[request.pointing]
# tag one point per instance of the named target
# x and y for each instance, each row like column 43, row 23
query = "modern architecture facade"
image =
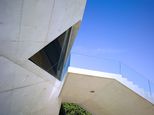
column 35, row 41
column 103, row 90
column 37, row 72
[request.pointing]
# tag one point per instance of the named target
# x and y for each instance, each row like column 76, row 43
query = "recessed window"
column 51, row 57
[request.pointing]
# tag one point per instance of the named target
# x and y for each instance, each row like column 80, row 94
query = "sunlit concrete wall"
column 103, row 93
column 26, row 26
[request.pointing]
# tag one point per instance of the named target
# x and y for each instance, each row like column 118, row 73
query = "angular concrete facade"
column 26, row 26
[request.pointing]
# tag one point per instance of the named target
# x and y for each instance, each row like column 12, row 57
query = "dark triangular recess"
column 51, row 57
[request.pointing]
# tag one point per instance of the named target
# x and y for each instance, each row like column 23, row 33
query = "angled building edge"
column 27, row 87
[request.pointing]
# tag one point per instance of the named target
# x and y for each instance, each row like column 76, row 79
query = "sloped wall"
column 26, row 26
column 24, row 93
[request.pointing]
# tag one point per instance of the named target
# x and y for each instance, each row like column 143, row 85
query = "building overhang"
column 100, row 93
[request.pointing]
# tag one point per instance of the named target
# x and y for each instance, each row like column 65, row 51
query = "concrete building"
column 91, row 85
column 27, row 26
column 37, row 73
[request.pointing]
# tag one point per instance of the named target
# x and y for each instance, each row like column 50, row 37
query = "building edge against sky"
column 26, row 27
column 32, row 78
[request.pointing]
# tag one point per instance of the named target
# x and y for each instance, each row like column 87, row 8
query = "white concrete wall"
column 24, row 93
column 26, row 26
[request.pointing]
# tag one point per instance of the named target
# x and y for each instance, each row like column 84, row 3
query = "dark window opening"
column 52, row 57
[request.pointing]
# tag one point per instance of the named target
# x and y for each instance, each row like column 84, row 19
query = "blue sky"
column 121, row 30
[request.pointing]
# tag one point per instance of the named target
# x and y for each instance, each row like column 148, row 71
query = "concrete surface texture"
column 26, row 26
column 118, row 77
column 103, row 95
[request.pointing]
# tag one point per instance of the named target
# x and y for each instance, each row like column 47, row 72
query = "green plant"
column 74, row 109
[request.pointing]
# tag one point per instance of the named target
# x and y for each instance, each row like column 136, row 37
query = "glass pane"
column 51, row 57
